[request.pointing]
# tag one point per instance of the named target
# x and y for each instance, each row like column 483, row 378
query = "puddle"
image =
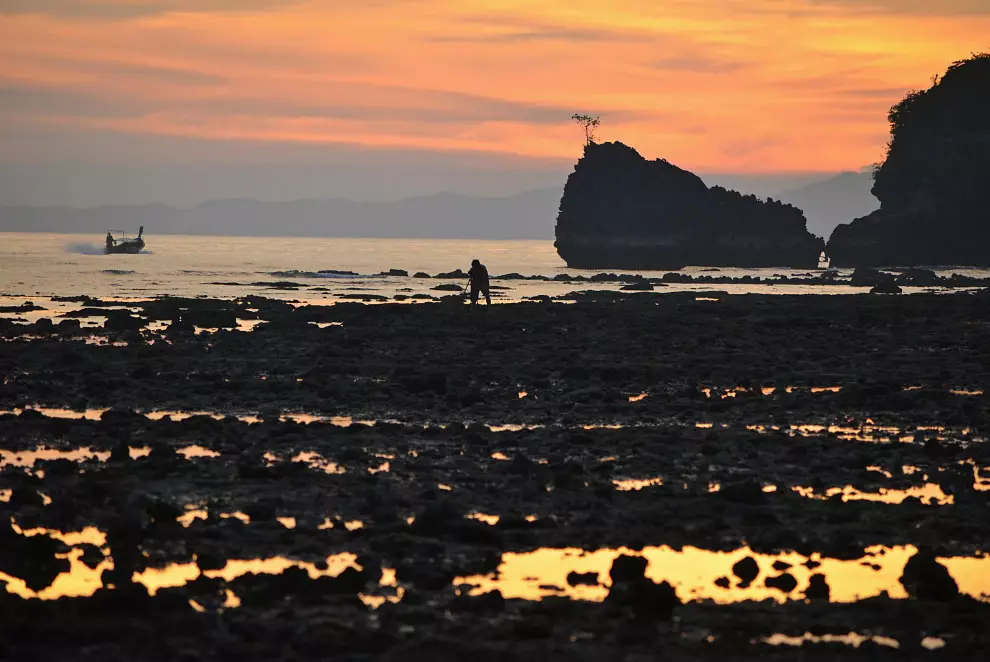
column 27, row 458
column 693, row 572
column 193, row 514
column 316, row 461
column 490, row 520
column 193, row 452
column 513, row 427
column 339, row 421
column 79, row 581
column 853, row 639
column 179, row 574
column 636, row 484
column 929, row 493
column 389, row 583
column 55, row 412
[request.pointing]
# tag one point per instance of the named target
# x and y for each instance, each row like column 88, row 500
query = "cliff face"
column 621, row 211
column 934, row 186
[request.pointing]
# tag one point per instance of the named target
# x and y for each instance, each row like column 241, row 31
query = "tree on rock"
column 589, row 124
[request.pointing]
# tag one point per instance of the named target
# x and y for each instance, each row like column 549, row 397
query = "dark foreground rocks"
column 430, row 446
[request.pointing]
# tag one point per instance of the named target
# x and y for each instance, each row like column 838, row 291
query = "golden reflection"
column 287, row 522
column 179, row 574
column 490, row 520
column 927, row 493
column 498, row 455
column 965, row 392
column 853, row 639
column 445, row 487
column 27, row 458
column 638, row 398
column 79, row 581
column 384, row 467
column 316, row 461
column 194, row 451
column 636, row 484
column 89, row 535
column 522, row 394
column 693, row 571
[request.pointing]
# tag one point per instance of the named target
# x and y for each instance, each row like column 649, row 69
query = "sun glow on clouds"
column 718, row 85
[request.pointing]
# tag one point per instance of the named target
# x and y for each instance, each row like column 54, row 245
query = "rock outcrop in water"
column 624, row 212
column 934, row 185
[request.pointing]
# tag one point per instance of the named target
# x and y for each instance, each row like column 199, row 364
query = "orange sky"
column 712, row 85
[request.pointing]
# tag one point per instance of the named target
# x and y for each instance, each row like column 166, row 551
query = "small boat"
column 118, row 242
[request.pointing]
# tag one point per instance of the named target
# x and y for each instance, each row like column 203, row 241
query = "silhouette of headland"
column 933, row 186
column 620, row 211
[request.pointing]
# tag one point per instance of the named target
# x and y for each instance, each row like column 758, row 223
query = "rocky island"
column 621, row 211
column 933, row 184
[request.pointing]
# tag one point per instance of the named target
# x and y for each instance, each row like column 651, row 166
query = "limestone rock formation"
column 621, row 211
column 934, row 185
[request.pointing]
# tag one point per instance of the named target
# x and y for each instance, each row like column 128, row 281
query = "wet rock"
column 632, row 589
column 582, row 578
column 746, row 570
column 210, row 318
column 118, row 321
column 31, row 558
column 885, row 288
column 818, row 588
column 924, row 578
column 784, row 582
column 421, row 274
column 723, row 582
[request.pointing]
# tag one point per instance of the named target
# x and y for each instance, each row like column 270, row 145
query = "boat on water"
column 119, row 242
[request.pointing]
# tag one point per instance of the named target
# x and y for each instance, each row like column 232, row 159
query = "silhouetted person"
column 478, row 275
column 111, row 242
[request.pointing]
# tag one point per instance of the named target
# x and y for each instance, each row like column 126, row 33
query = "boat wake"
column 84, row 249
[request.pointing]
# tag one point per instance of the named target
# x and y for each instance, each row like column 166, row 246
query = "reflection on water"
column 193, row 514
column 693, row 572
column 930, row 493
column 27, row 458
column 79, row 581
column 638, row 398
column 192, row 452
column 630, row 484
column 179, row 574
column 490, row 520
column 316, row 461
column 853, row 639
column 56, row 412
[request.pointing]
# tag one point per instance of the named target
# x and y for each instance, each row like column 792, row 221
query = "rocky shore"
column 709, row 477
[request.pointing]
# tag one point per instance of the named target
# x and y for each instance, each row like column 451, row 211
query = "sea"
column 38, row 266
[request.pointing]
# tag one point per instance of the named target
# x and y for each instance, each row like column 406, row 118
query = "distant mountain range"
column 527, row 215
column 836, row 200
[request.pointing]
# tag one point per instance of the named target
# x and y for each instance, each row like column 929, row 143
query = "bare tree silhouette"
column 589, row 124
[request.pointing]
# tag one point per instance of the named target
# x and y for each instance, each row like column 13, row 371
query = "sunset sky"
column 728, row 86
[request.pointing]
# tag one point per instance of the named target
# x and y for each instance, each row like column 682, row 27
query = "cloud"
column 133, row 8
column 697, row 64
column 914, row 7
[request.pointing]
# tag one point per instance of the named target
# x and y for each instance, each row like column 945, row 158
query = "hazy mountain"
column 837, row 200
column 528, row 215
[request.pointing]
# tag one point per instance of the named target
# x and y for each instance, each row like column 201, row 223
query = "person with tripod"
column 478, row 280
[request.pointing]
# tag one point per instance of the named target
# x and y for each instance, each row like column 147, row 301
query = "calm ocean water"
column 43, row 265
